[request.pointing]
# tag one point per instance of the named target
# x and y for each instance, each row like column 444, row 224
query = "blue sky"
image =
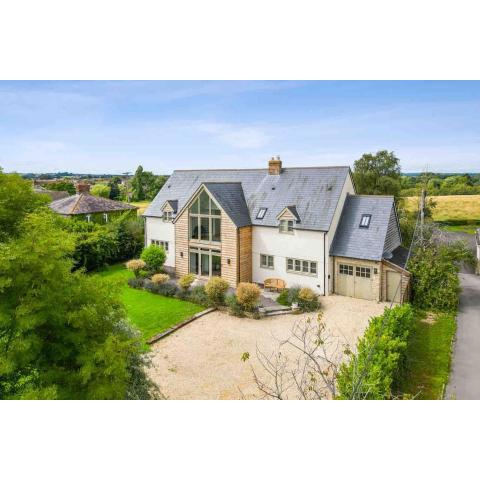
column 112, row 127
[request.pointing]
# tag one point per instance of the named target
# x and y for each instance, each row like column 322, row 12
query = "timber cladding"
column 229, row 239
column 245, row 254
column 181, row 244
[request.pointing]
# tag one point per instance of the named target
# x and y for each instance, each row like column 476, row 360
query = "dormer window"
column 261, row 213
column 286, row 226
column 365, row 221
column 167, row 216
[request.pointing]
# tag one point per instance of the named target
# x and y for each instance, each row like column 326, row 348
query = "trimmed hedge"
column 375, row 370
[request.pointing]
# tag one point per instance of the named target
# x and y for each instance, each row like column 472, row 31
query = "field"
column 150, row 313
column 141, row 206
column 459, row 212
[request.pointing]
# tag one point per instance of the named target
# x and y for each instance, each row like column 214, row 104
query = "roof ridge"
column 77, row 202
column 255, row 169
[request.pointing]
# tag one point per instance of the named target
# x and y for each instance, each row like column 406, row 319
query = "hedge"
column 374, row 371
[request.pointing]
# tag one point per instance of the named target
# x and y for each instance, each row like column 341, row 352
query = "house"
column 306, row 226
column 89, row 207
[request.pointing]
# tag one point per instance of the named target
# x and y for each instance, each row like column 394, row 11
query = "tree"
column 62, row 186
column 101, row 190
column 137, row 185
column 62, row 333
column 378, row 174
column 154, row 256
column 17, row 199
column 114, row 188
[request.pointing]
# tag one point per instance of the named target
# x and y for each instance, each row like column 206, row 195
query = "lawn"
column 429, row 355
column 150, row 313
column 142, row 206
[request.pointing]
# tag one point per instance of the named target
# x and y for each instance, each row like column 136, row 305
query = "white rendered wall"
column 157, row 229
column 347, row 188
column 303, row 245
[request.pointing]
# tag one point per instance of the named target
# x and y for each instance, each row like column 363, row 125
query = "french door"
column 205, row 262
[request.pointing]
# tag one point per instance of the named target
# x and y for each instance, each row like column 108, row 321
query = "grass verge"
column 429, row 355
column 150, row 313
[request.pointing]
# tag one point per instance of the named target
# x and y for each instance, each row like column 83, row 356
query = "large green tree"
column 17, row 198
column 62, row 333
column 145, row 185
column 378, row 174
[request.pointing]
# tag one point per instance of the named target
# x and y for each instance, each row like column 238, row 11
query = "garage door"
column 355, row 281
column 394, row 291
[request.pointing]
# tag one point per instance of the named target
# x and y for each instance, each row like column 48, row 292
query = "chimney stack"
column 275, row 166
column 82, row 188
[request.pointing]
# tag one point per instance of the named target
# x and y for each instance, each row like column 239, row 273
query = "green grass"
column 149, row 312
column 428, row 356
column 142, row 206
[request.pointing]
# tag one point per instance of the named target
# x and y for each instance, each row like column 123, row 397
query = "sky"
column 112, row 127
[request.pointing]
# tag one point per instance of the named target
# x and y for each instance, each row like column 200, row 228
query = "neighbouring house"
column 89, row 207
column 306, row 226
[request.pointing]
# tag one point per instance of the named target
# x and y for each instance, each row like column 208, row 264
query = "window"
column 261, row 213
column 286, row 226
column 160, row 243
column 88, row 217
column 266, row 261
column 205, row 262
column 167, row 216
column 205, row 219
column 346, row 269
column 365, row 221
column 305, row 267
column 105, row 217
column 363, row 272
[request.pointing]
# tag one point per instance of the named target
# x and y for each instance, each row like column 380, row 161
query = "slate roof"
column 231, row 199
column 314, row 191
column 366, row 243
column 84, row 203
column 399, row 256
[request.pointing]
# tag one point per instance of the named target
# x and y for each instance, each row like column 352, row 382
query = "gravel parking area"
column 203, row 359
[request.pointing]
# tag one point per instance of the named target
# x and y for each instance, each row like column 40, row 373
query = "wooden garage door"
column 394, row 290
column 355, row 281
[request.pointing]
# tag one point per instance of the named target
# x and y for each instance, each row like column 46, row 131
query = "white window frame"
column 167, row 216
column 269, row 265
column 286, row 226
column 302, row 267
column 105, row 217
column 160, row 243
column 88, row 216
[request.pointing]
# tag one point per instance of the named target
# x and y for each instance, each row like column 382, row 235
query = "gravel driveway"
column 203, row 359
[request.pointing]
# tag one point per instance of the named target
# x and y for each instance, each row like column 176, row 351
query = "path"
column 465, row 378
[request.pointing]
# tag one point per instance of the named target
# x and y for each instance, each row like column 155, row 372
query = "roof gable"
column 353, row 241
column 289, row 212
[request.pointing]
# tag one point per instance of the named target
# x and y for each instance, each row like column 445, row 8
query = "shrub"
column 307, row 300
column 289, row 296
column 234, row 307
column 160, row 278
column 154, row 257
column 135, row 266
column 168, row 289
column 198, row 295
column 434, row 269
column 186, row 281
column 216, row 288
column 136, row 282
column 248, row 295
column 376, row 368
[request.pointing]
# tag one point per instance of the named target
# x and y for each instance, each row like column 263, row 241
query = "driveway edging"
column 176, row 327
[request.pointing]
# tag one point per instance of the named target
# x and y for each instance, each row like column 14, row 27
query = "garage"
column 355, row 281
